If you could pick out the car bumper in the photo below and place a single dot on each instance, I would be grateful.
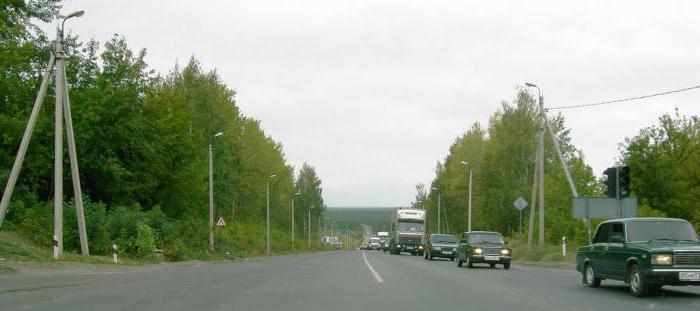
(410, 249)
(442, 254)
(669, 276)
(490, 259)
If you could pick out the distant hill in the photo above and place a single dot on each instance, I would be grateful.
(351, 217)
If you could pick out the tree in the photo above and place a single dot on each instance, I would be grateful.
(663, 164)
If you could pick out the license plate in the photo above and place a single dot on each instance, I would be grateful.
(410, 247)
(447, 252)
(689, 276)
(492, 258)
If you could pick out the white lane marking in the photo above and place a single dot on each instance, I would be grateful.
(371, 269)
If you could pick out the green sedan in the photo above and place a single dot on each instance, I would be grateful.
(647, 253)
(483, 247)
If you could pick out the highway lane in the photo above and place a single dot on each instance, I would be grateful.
(340, 280)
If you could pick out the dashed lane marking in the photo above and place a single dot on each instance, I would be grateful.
(371, 269)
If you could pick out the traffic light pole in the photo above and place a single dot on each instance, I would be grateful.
(617, 191)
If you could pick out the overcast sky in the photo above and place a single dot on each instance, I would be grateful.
(372, 93)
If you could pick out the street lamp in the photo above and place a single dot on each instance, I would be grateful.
(438, 215)
(293, 197)
(267, 230)
(211, 192)
(469, 217)
(308, 238)
(71, 15)
(539, 174)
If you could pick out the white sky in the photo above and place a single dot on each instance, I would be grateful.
(373, 92)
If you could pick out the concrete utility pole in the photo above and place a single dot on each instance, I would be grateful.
(438, 208)
(308, 236)
(267, 216)
(293, 197)
(62, 111)
(539, 172)
(469, 215)
(211, 200)
(211, 188)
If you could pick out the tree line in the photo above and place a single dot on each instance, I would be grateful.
(663, 160)
(142, 142)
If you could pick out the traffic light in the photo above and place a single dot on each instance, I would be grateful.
(624, 182)
(611, 181)
(621, 182)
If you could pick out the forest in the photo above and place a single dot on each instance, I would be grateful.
(142, 142)
(662, 158)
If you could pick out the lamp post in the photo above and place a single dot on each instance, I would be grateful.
(211, 191)
(469, 215)
(438, 215)
(539, 173)
(293, 197)
(308, 237)
(267, 216)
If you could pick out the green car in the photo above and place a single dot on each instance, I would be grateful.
(647, 253)
(440, 245)
(483, 247)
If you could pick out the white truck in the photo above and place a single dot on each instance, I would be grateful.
(407, 227)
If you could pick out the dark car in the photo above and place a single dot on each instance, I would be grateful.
(483, 247)
(440, 245)
(647, 253)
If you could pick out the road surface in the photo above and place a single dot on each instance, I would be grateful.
(340, 280)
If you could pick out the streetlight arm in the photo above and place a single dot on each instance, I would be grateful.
(71, 15)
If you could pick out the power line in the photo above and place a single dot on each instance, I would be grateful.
(625, 99)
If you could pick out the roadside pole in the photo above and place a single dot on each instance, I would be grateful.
(62, 108)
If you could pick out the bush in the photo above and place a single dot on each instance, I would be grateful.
(145, 241)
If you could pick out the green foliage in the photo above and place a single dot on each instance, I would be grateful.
(664, 169)
(145, 242)
(142, 140)
(501, 158)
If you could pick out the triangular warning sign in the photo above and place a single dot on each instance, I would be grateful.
(221, 222)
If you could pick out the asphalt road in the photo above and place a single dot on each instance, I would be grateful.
(342, 280)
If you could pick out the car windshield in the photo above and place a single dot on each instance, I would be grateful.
(485, 238)
(660, 230)
(410, 226)
(444, 239)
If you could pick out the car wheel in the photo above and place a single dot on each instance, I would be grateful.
(492, 265)
(470, 264)
(506, 266)
(452, 258)
(589, 277)
(638, 285)
(458, 262)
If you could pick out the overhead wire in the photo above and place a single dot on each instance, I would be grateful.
(624, 99)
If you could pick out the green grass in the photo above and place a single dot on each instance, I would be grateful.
(248, 243)
(15, 248)
(545, 253)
